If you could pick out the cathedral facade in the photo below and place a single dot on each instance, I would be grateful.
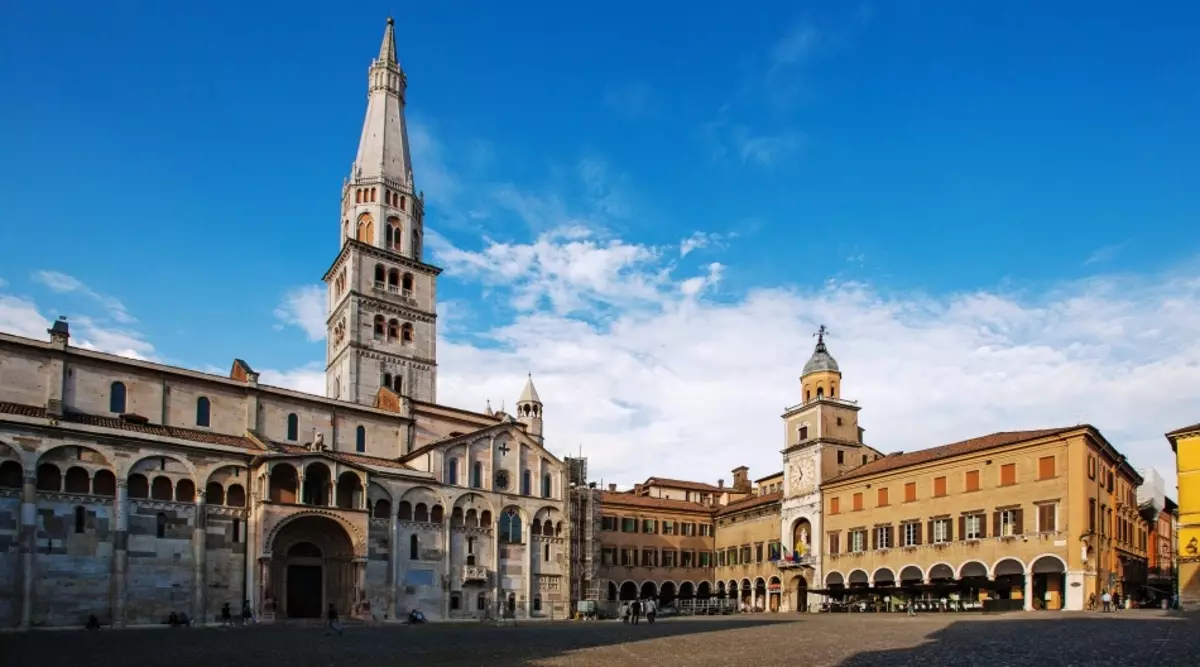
(131, 490)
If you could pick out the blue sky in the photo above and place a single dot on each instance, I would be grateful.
(598, 173)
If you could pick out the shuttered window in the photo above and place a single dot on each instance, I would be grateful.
(910, 492)
(1046, 467)
(939, 486)
(858, 502)
(883, 497)
(834, 505)
(1008, 474)
(973, 480)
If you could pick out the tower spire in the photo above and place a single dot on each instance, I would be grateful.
(387, 50)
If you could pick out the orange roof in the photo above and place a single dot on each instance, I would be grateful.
(628, 499)
(206, 437)
(680, 484)
(750, 503)
(983, 443)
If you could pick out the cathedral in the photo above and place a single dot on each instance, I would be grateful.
(132, 490)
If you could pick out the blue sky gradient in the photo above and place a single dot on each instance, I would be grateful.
(185, 162)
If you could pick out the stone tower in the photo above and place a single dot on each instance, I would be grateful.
(382, 325)
(821, 441)
(529, 410)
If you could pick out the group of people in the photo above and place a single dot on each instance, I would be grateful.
(631, 612)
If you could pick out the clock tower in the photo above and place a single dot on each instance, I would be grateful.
(822, 440)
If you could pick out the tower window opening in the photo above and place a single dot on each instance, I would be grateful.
(406, 333)
(379, 326)
(393, 329)
(393, 279)
(407, 283)
(358, 196)
(372, 194)
(387, 380)
(402, 204)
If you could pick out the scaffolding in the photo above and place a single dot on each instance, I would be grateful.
(585, 520)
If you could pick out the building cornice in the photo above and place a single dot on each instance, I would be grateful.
(369, 250)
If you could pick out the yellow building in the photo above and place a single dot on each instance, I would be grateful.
(1186, 444)
(1029, 519)
(748, 547)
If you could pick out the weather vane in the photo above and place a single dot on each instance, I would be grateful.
(821, 333)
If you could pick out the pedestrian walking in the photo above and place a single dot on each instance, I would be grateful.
(226, 616)
(331, 622)
(651, 610)
(625, 611)
(247, 615)
(1106, 598)
(635, 610)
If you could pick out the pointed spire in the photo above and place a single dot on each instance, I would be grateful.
(488, 410)
(387, 50)
(529, 395)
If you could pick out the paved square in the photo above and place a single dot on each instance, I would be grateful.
(1126, 639)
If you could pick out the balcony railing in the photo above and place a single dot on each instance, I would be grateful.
(795, 560)
(474, 573)
(822, 399)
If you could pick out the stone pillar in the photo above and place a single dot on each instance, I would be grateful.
(527, 566)
(200, 563)
(446, 578)
(393, 564)
(120, 553)
(28, 546)
(1028, 591)
(496, 588)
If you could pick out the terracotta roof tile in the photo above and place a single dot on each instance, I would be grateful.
(194, 435)
(629, 499)
(23, 410)
(1185, 429)
(345, 457)
(750, 503)
(762, 479)
(983, 443)
(680, 484)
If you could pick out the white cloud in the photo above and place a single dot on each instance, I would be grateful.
(304, 307)
(63, 283)
(121, 341)
(21, 317)
(429, 167)
(1104, 254)
(309, 378)
(699, 240)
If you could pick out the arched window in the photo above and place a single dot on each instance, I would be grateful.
(393, 278)
(452, 471)
(379, 326)
(236, 496)
(12, 475)
(537, 600)
(80, 518)
(161, 525)
(510, 527)
(481, 599)
(406, 333)
(546, 485)
(393, 331)
(346, 228)
(293, 427)
(360, 439)
(416, 243)
(477, 475)
(372, 194)
(546, 555)
(832, 391)
(387, 380)
(358, 196)
(407, 283)
(397, 384)
(388, 236)
(380, 274)
(402, 202)
(414, 548)
(526, 483)
(116, 397)
(202, 411)
(820, 392)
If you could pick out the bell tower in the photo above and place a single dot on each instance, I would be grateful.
(382, 324)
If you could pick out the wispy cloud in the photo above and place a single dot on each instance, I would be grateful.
(766, 150)
(796, 47)
(1105, 254)
(699, 240)
(304, 307)
(63, 283)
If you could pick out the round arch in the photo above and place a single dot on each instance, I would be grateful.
(704, 590)
(1039, 566)
(941, 570)
(188, 467)
(628, 591)
(312, 565)
(834, 578)
(649, 589)
(858, 578)
(687, 590)
(1049, 573)
(667, 592)
(973, 568)
(1005, 567)
(911, 572)
(357, 540)
(883, 574)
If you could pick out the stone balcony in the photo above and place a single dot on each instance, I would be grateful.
(474, 573)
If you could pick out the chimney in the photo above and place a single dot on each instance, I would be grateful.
(59, 332)
(612, 487)
(720, 483)
(741, 478)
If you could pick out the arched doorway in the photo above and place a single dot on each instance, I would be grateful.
(1049, 582)
(800, 589)
(312, 566)
(629, 591)
(666, 593)
(649, 590)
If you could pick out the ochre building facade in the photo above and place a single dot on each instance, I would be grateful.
(130, 490)
(1186, 444)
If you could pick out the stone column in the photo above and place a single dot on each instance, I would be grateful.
(1029, 591)
(393, 564)
(200, 563)
(528, 566)
(446, 567)
(496, 566)
(120, 553)
(28, 546)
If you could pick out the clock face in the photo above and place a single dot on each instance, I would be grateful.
(502, 480)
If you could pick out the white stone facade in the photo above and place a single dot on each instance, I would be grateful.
(131, 490)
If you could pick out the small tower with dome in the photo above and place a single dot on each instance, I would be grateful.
(821, 376)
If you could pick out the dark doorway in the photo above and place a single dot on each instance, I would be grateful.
(801, 593)
(304, 591)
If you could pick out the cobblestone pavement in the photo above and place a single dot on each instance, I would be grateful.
(1128, 639)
